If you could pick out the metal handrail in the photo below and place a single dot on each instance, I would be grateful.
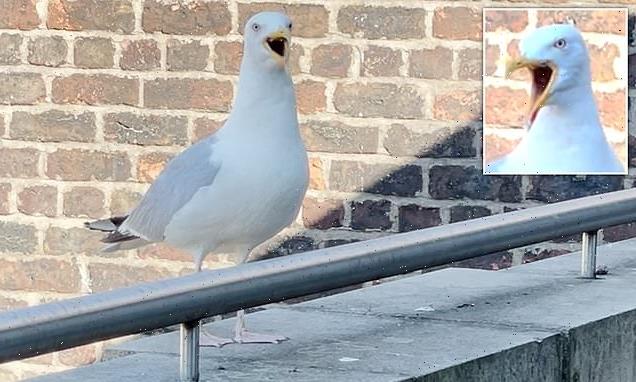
(55, 326)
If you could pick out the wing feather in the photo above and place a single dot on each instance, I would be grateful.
(182, 177)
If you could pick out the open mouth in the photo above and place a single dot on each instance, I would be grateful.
(542, 79)
(278, 45)
(543, 76)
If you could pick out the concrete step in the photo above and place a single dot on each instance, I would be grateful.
(535, 322)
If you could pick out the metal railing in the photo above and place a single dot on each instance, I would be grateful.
(185, 300)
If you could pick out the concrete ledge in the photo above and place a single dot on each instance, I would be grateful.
(536, 322)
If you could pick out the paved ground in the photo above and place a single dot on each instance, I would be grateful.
(536, 322)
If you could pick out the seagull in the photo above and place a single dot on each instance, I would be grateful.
(563, 130)
(238, 187)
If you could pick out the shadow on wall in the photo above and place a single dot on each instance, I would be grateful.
(438, 188)
(429, 193)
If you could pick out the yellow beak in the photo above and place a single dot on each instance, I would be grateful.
(514, 64)
(540, 91)
(278, 45)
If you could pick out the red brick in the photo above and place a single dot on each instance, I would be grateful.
(379, 100)
(204, 127)
(77, 15)
(506, 106)
(38, 200)
(431, 63)
(5, 189)
(110, 276)
(77, 164)
(145, 130)
(10, 49)
(457, 23)
(380, 61)
(412, 217)
(47, 51)
(95, 89)
(602, 61)
(21, 88)
(19, 163)
(611, 107)
(309, 20)
(140, 55)
(458, 105)
(513, 51)
(426, 142)
(39, 275)
(470, 64)
(462, 212)
(322, 214)
(187, 55)
(17, 238)
(164, 252)
(601, 21)
(392, 23)
(316, 174)
(331, 60)
(150, 165)
(506, 20)
(296, 52)
(496, 147)
(122, 201)
(66, 241)
(310, 97)
(458, 182)
(19, 14)
(191, 18)
(53, 126)
(371, 215)
(376, 178)
(336, 137)
(227, 57)
(492, 56)
(188, 93)
(84, 202)
(94, 52)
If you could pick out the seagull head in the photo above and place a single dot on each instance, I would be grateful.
(267, 39)
(557, 58)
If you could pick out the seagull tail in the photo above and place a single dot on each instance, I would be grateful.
(106, 225)
(115, 239)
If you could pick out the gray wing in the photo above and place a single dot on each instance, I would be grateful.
(182, 177)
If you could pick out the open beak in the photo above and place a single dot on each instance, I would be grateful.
(278, 45)
(543, 76)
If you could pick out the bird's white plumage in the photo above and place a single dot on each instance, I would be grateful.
(566, 136)
(239, 187)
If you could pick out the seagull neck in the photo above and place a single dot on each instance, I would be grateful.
(263, 86)
(571, 108)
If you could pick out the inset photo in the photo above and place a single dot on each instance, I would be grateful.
(555, 91)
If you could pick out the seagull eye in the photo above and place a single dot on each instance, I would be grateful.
(560, 43)
(255, 27)
(290, 26)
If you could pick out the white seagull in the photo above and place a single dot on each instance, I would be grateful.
(235, 189)
(564, 133)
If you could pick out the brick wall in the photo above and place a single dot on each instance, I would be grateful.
(95, 96)
(506, 100)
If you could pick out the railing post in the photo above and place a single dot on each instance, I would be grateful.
(588, 255)
(189, 352)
